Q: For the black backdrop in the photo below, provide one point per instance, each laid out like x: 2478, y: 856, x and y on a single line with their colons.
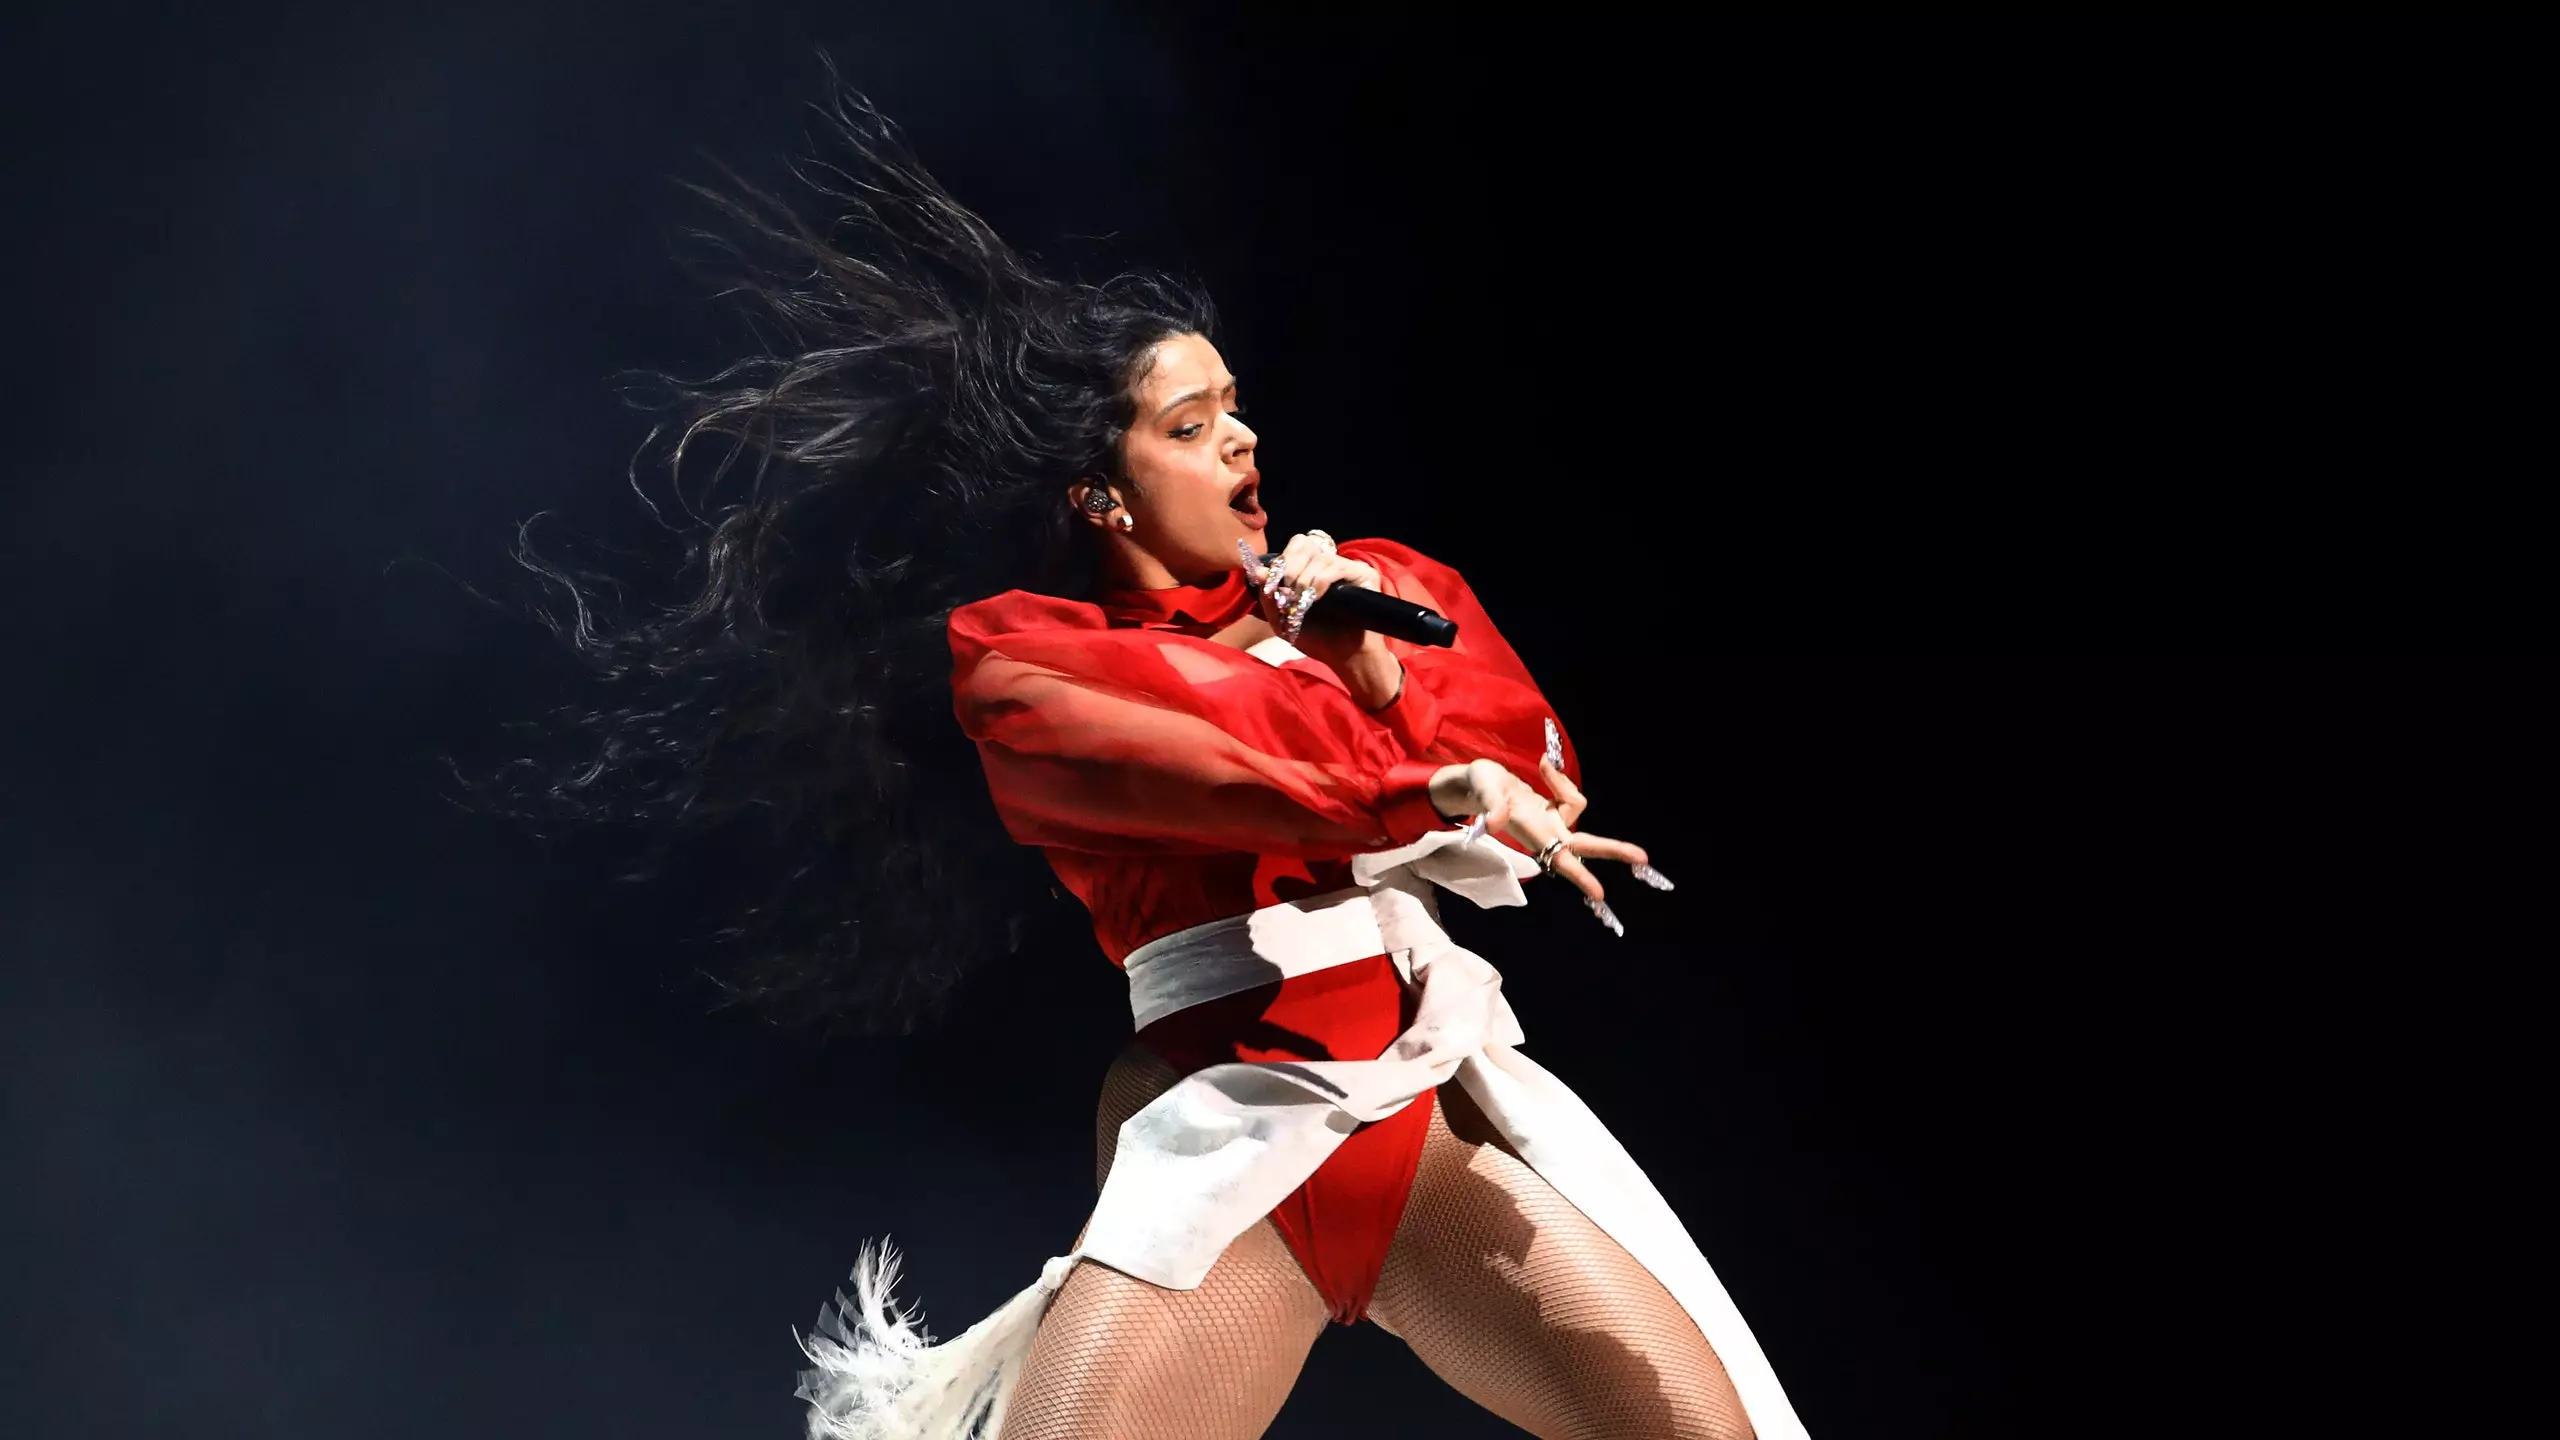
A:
x: 2012, y: 1043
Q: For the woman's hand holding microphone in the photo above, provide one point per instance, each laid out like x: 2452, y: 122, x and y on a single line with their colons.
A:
x: 1306, y: 568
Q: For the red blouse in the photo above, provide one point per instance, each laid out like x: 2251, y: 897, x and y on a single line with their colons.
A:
x: 1172, y: 780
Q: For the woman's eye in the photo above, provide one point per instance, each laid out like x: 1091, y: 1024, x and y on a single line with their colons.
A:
x: 1185, y: 432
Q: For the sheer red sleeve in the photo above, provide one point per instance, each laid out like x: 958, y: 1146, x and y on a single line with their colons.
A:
x: 1473, y: 700
x: 1146, y: 742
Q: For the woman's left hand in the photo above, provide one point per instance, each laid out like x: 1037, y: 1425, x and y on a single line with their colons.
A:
x: 1309, y: 566
x: 1503, y: 801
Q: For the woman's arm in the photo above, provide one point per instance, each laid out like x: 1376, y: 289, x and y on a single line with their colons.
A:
x: 1470, y: 701
x: 1137, y: 742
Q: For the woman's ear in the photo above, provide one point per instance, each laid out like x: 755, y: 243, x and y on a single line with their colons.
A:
x: 1097, y: 502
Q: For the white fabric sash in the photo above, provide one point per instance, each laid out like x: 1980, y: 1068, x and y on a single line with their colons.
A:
x: 1214, y: 1154
x: 1220, y: 1149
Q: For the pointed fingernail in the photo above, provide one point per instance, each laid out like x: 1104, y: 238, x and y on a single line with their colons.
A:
x: 1555, y: 745
x: 1252, y: 562
x: 1651, y: 876
x: 1473, y: 833
x: 1607, y: 916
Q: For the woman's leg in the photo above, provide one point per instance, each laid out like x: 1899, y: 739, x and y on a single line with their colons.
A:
x: 1514, y: 1297
x: 1120, y: 1359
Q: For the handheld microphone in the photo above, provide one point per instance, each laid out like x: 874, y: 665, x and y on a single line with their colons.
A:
x: 1348, y: 607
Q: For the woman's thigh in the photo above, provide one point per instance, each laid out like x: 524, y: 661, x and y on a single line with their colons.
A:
x: 1515, y: 1298
x: 1120, y: 1359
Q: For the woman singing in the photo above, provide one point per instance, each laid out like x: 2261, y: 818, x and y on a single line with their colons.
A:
x: 978, y: 493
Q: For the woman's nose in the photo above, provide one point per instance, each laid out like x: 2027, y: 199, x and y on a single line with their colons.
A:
x: 1240, y: 438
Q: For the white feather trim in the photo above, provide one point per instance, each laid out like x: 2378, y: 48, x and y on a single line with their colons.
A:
x: 880, y: 1376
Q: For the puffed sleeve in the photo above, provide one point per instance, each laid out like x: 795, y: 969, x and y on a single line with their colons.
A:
x: 1473, y: 700
x: 1133, y: 741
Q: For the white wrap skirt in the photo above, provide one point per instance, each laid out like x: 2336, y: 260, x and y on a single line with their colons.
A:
x: 1215, y: 1153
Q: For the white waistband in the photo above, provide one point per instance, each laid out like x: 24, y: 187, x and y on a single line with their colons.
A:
x: 1208, y: 962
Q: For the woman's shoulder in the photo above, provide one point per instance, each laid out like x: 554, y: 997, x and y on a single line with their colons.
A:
x: 1018, y: 612
x: 1056, y: 634
x: 1012, y: 652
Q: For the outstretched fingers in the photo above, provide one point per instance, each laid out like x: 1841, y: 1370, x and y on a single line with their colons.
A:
x: 1601, y: 847
x: 1570, y: 866
x: 1570, y: 863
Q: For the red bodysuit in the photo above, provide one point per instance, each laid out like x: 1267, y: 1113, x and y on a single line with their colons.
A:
x: 1172, y: 781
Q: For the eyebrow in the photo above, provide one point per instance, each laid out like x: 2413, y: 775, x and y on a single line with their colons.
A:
x: 1187, y: 396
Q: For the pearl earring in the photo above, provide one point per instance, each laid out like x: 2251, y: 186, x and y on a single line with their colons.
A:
x: 1124, y: 522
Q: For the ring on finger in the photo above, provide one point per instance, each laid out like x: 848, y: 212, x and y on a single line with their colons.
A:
x: 1298, y: 610
x: 1320, y: 538
x: 1547, y: 857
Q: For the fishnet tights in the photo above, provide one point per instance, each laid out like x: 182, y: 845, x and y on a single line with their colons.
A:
x: 1523, y: 1305
x: 1120, y: 1359
x: 1502, y: 1287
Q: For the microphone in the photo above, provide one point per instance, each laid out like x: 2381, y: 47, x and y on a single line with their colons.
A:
x: 1348, y: 607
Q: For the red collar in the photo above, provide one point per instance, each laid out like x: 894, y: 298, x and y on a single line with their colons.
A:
x: 1199, y: 609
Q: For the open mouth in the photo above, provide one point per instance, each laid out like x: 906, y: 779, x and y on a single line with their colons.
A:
x: 1246, y: 501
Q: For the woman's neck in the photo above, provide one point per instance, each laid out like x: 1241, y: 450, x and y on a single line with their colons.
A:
x: 1126, y: 567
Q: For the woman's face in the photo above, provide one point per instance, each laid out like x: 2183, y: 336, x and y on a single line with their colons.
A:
x: 1193, y: 489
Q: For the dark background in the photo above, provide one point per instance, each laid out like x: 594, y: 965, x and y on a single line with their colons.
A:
x: 2030, y: 1043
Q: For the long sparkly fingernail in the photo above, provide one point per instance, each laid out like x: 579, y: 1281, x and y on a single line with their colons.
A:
x: 1252, y: 562
x: 1271, y: 579
x: 1298, y: 611
x: 1651, y: 876
x: 1607, y: 916
x: 1555, y: 745
x: 1473, y: 833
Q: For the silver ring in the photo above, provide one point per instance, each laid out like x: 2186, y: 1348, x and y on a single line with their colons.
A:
x: 1547, y: 857
x: 1320, y: 535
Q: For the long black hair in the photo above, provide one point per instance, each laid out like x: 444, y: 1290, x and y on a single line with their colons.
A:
x: 902, y: 446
